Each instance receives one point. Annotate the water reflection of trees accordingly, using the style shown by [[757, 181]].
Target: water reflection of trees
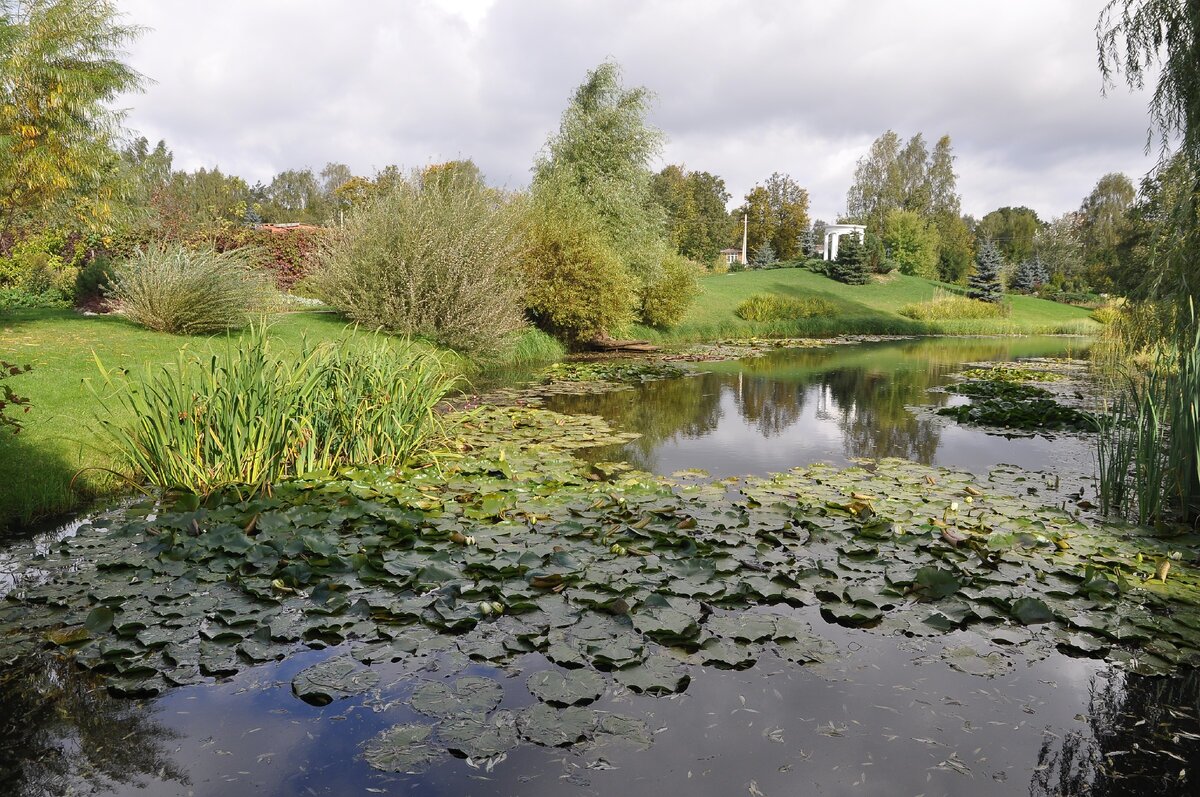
[[659, 411], [872, 414], [770, 405], [1132, 743], [60, 734]]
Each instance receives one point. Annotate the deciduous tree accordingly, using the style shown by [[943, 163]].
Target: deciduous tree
[[60, 68]]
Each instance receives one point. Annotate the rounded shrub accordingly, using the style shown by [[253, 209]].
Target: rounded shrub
[[436, 261], [576, 286], [668, 287], [171, 288], [773, 307]]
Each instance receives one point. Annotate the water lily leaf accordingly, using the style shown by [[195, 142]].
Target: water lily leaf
[[657, 676], [566, 688], [402, 748], [1031, 611], [333, 679], [469, 695], [99, 619], [476, 736], [551, 727], [968, 660], [936, 583]]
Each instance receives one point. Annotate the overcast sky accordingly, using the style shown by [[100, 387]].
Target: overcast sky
[[742, 89]]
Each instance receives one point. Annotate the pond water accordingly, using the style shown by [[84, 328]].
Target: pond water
[[888, 714]]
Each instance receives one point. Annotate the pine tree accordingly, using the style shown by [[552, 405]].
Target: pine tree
[[984, 282], [1028, 276], [764, 256], [850, 266]]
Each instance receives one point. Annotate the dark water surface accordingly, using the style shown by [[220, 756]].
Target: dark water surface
[[889, 715]]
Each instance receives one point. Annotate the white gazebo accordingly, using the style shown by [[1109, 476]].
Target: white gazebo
[[835, 231]]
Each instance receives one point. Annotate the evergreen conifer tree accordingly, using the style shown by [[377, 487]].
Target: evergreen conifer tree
[[984, 282], [850, 266], [1028, 276], [764, 256]]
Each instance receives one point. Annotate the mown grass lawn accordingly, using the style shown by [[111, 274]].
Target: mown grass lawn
[[868, 309], [59, 442]]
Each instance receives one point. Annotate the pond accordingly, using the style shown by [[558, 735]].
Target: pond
[[786, 701]]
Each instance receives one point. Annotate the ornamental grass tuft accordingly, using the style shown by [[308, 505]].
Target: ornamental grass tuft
[[249, 417]]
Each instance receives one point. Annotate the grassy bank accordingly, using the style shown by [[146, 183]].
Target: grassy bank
[[56, 463], [857, 309], [58, 444]]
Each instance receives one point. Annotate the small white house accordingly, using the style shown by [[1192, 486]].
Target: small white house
[[835, 231]]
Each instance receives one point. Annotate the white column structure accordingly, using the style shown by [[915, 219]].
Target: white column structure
[[835, 231]]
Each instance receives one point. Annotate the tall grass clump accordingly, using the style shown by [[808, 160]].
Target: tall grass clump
[[170, 288], [249, 417], [773, 307], [946, 306], [1149, 446], [434, 259]]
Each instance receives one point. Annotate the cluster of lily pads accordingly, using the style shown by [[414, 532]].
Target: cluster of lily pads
[[1002, 396], [513, 547], [623, 371]]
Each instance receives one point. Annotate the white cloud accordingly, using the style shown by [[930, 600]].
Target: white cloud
[[743, 89]]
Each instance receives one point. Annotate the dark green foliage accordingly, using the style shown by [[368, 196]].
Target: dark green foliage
[[850, 266], [984, 282], [1028, 277], [1032, 414]]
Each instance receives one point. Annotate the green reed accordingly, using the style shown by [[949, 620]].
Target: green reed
[[248, 417]]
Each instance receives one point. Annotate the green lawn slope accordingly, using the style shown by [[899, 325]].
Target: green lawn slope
[[860, 309]]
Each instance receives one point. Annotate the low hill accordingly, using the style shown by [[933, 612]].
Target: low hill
[[873, 308]]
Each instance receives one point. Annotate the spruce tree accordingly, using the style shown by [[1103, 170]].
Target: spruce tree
[[984, 282], [850, 266], [764, 256], [1028, 276]]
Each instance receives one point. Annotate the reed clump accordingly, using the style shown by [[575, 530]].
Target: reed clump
[[249, 417]]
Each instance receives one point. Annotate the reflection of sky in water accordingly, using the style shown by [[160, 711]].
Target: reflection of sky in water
[[888, 717], [882, 720], [830, 413]]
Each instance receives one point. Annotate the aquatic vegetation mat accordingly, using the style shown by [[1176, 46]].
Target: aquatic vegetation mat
[[621, 580], [612, 370], [1025, 414]]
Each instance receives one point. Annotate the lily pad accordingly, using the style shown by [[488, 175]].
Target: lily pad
[[466, 696], [333, 679], [566, 688], [657, 675], [402, 748], [475, 736], [551, 727]]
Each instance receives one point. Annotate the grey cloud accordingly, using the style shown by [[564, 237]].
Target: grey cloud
[[742, 89]]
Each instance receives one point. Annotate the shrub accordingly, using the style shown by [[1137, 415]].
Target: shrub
[[438, 262], [93, 282], [668, 289], [772, 307], [249, 417], [944, 306], [576, 285], [170, 288], [1108, 313], [850, 266], [40, 271], [286, 253]]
